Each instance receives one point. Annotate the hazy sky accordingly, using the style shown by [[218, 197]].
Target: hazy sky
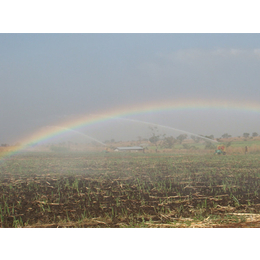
[[47, 77]]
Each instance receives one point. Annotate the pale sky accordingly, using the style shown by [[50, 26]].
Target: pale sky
[[47, 77]]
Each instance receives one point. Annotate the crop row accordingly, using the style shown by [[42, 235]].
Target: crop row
[[125, 189]]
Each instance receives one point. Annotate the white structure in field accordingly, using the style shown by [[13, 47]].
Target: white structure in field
[[129, 149]]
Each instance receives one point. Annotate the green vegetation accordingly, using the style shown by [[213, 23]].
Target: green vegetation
[[128, 190]]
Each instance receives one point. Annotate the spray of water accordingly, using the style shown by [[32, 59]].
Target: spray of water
[[167, 127], [79, 133]]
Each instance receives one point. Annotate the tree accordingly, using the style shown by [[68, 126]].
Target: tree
[[154, 139], [210, 136], [196, 139], [246, 135], [226, 135], [181, 137], [254, 134], [155, 136], [168, 142]]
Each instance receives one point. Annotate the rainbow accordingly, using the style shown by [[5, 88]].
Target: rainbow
[[153, 107]]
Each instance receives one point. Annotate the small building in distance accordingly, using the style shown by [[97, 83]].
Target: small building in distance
[[129, 149]]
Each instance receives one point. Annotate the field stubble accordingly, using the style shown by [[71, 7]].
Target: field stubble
[[129, 190]]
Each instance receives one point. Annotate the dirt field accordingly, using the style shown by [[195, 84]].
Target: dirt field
[[129, 190]]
